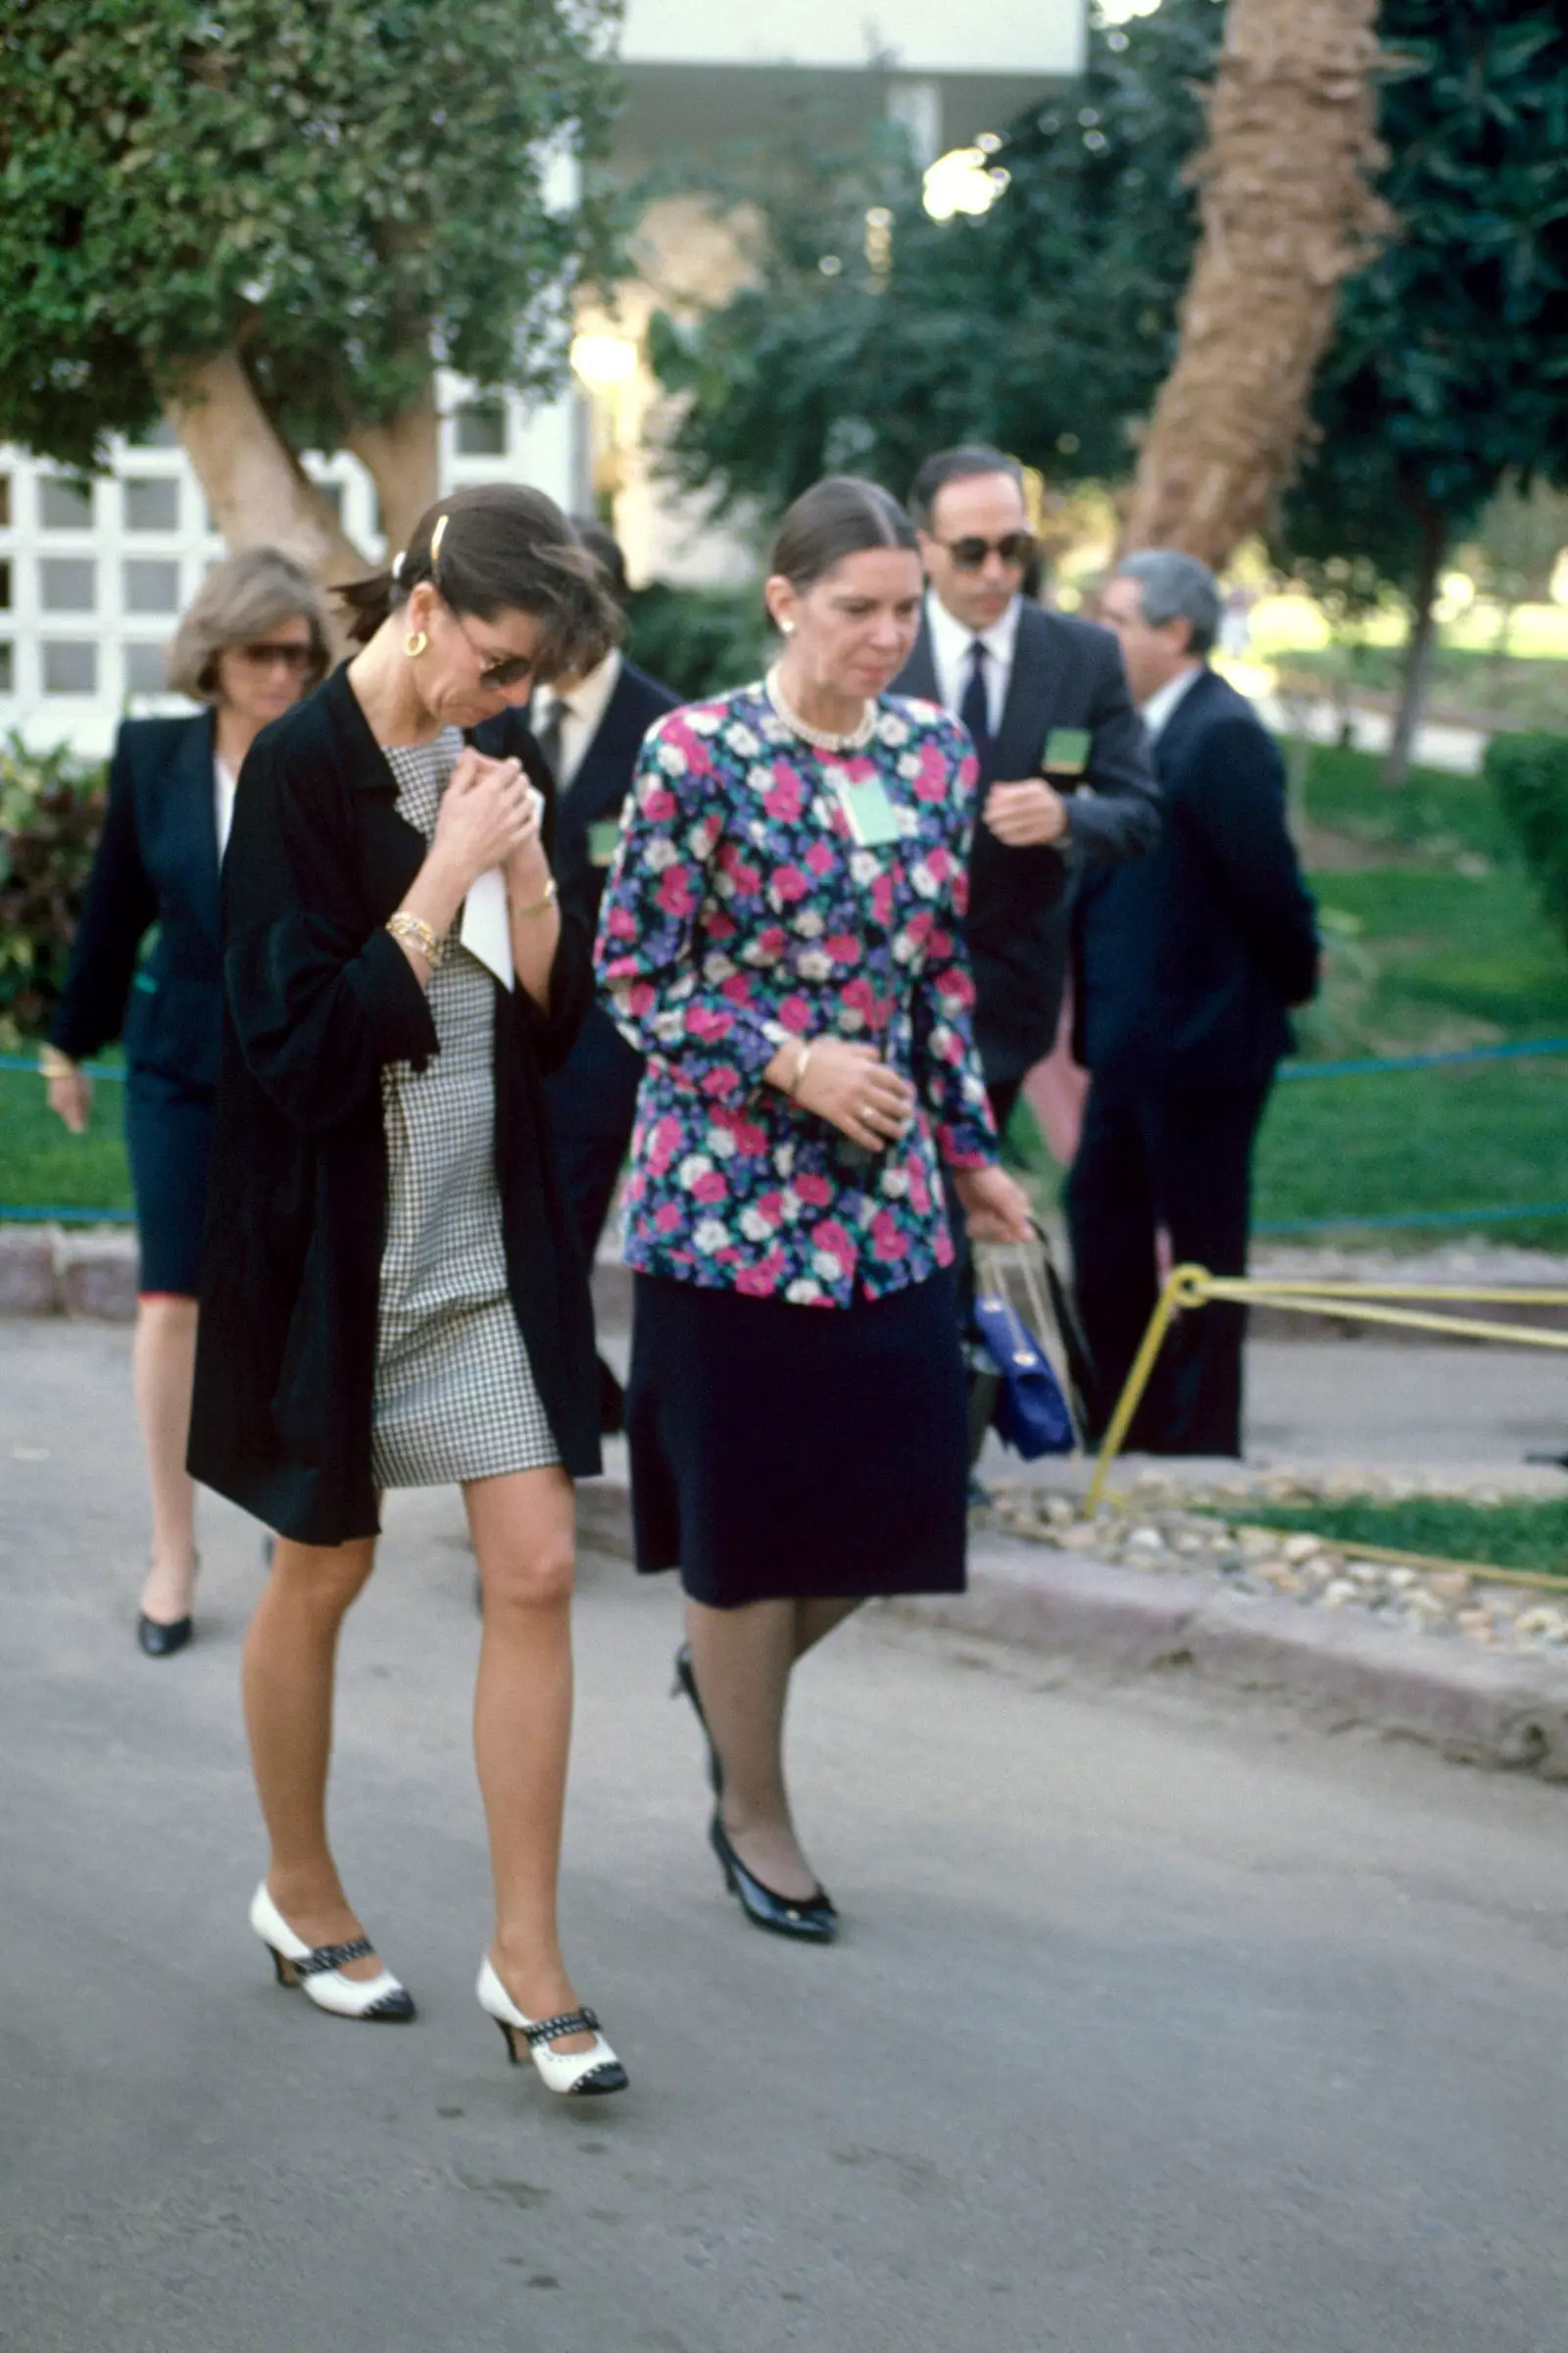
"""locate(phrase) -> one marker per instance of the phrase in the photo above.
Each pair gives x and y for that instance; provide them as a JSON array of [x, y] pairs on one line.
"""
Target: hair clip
[[397, 564], [436, 537]]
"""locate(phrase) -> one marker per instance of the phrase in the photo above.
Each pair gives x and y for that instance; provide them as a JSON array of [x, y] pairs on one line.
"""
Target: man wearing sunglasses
[[1065, 777]]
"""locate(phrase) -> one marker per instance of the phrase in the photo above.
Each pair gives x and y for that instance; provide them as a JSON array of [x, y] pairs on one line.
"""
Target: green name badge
[[604, 840], [874, 821], [1067, 752]]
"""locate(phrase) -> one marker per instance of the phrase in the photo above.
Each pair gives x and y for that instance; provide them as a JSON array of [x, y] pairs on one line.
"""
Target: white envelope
[[485, 931]]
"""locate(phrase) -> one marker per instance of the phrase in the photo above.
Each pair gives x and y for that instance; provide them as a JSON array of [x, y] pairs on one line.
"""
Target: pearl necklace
[[819, 738]]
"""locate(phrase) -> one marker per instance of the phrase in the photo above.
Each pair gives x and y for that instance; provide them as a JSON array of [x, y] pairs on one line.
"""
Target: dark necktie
[[549, 740], [975, 708]]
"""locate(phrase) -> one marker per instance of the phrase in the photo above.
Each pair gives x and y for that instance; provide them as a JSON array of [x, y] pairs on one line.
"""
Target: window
[[64, 504], [8, 674], [482, 429], [69, 666], [68, 583], [5, 502], [5, 585], [151, 503], [332, 492], [151, 587], [144, 671]]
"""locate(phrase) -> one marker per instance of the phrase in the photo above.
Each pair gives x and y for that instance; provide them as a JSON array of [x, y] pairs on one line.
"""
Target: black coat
[[317, 997], [156, 863], [1187, 961], [599, 789], [1065, 673]]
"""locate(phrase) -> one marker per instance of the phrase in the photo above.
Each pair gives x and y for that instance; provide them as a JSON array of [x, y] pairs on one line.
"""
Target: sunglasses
[[512, 670], [1013, 547], [266, 656]]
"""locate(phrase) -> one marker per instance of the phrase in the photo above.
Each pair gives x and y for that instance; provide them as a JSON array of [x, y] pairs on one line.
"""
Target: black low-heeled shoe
[[686, 1681], [814, 1922], [161, 1639]]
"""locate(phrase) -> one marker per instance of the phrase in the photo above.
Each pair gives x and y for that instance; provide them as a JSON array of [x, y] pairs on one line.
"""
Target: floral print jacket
[[741, 912]]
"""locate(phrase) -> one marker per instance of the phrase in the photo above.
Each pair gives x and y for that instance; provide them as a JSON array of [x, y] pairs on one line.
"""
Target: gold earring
[[415, 643]]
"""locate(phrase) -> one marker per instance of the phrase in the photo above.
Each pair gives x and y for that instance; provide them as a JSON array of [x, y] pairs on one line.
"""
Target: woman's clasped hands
[[489, 816]]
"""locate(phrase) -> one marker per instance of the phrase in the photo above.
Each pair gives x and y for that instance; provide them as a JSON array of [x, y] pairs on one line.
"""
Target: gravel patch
[[1157, 1526]]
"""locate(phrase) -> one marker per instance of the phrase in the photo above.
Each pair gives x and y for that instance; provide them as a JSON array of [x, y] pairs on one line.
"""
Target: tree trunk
[[1418, 650], [1286, 213], [403, 459], [259, 493]]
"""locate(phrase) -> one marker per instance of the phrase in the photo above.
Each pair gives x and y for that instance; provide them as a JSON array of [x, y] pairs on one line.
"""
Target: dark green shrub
[[50, 807], [700, 641], [1528, 773]]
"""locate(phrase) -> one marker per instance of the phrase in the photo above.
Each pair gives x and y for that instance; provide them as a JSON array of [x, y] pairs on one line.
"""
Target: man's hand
[[1028, 814]]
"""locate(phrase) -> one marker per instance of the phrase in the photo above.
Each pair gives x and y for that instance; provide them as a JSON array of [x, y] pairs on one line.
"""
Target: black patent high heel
[[814, 1922], [686, 1681]]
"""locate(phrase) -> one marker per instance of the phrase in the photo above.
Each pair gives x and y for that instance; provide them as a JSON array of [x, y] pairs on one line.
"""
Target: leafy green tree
[[273, 219], [1046, 325], [1449, 372]]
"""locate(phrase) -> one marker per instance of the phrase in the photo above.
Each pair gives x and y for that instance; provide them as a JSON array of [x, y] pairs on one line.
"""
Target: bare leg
[[163, 1359], [742, 1661], [815, 1620], [290, 1658], [524, 1530]]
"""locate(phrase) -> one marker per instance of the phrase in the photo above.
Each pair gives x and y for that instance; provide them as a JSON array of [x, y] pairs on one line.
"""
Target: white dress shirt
[[1160, 709], [581, 712], [224, 785], [950, 641]]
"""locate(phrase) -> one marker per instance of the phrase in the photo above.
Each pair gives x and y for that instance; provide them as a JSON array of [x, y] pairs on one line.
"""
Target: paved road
[[1163, 2022]]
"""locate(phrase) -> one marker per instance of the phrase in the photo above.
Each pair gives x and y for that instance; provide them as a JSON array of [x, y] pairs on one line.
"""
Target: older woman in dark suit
[[254, 639]]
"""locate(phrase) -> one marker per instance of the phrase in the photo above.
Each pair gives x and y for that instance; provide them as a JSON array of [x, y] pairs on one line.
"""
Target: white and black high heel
[[584, 2074], [319, 1968]]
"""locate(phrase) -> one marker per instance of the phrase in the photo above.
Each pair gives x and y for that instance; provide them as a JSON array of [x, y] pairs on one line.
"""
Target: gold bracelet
[[51, 1063], [799, 1072], [418, 933], [535, 907]]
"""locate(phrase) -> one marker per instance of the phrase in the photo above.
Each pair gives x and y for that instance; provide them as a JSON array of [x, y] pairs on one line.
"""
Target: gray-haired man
[[1186, 962]]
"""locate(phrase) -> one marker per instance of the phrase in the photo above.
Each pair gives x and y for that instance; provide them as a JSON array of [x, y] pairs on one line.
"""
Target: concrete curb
[[1503, 1711], [48, 1270]]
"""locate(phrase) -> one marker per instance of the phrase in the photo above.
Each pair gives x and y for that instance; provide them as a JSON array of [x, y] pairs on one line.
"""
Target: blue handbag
[[1031, 1414]]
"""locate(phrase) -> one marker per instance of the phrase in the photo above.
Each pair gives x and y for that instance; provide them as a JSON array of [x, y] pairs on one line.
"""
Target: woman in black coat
[[252, 641], [392, 1292]]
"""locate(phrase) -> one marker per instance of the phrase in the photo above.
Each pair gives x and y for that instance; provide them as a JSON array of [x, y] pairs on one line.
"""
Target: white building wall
[[90, 588]]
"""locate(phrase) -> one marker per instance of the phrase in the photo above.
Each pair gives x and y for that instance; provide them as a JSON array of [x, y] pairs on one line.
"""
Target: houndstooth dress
[[455, 1395]]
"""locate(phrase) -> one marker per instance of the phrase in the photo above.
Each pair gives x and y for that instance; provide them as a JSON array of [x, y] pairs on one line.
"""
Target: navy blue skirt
[[793, 1453], [168, 1139]]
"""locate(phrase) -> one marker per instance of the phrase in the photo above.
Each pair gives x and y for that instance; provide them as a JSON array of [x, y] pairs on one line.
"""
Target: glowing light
[[964, 180], [602, 362]]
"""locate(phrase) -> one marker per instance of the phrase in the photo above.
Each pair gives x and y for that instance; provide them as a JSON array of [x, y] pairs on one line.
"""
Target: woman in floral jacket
[[780, 938]]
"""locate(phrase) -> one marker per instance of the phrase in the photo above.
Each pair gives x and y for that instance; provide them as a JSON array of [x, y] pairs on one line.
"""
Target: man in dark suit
[[1185, 967], [1065, 773], [590, 730]]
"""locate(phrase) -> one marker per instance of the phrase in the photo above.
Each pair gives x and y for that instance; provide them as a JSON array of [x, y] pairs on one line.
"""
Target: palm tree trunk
[[1286, 213]]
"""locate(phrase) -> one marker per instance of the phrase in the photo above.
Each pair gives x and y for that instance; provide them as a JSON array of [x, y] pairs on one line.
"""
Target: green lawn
[[41, 1165], [1504, 1536]]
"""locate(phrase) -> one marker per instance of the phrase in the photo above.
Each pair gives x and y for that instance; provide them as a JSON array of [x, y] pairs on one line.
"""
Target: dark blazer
[[1186, 961], [600, 787], [156, 863], [1065, 673], [317, 997]]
